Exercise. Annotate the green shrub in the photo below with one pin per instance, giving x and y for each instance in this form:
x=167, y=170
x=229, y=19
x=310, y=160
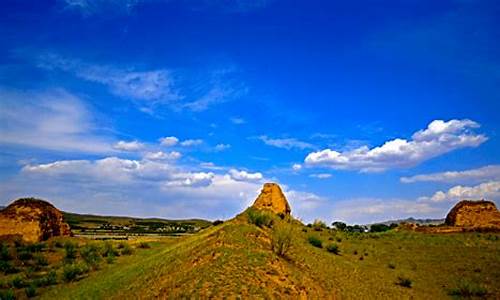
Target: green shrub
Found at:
x=126, y=249
x=282, y=239
x=4, y=252
x=391, y=266
x=24, y=255
x=332, y=248
x=70, y=251
x=468, y=289
x=7, y=267
x=143, y=245
x=41, y=261
x=49, y=279
x=72, y=271
x=319, y=225
x=404, y=282
x=259, y=218
x=91, y=255
x=7, y=295
x=30, y=291
x=217, y=222
x=108, y=250
x=17, y=282
x=379, y=228
x=315, y=241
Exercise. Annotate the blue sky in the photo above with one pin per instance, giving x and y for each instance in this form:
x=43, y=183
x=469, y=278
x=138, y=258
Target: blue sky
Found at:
x=362, y=112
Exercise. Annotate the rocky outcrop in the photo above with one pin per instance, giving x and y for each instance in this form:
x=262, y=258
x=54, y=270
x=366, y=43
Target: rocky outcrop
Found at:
x=272, y=198
x=474, y=214
x=33, y=220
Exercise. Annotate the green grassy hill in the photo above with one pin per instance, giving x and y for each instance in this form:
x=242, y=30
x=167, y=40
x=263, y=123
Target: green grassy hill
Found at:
x=237, y=258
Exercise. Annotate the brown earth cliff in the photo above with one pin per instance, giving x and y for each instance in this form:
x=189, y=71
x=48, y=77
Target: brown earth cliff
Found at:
x=476, y=214
x=272, y=198
x=33, y=220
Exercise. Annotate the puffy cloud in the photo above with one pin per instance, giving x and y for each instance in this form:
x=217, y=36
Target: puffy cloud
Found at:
x=221, y=147
x=491, y=172
x=438, y=138
x=128, y=146
x=160, y=155
x=296, y=167
x=169, y=141
x=244, y=175
x=321, y=175
x=191, y=142
x=487, y=190
x=285, y=143
x=52, y=119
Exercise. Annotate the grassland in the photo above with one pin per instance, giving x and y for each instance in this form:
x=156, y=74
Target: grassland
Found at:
x=236, y=258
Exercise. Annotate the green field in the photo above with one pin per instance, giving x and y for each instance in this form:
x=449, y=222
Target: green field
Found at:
x=237, y=258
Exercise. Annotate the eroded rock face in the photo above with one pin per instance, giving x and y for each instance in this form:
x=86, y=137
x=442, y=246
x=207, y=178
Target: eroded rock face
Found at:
x=272, y=198
x=33, y=220
x=476, y=214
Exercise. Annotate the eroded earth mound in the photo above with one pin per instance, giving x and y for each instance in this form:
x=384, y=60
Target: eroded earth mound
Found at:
x=33, y=220
x=272, y=198
x=476, y=214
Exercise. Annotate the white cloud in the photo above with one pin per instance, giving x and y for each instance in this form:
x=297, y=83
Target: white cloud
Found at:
x=296, y=167
x=285, y=143
x=244, y=175
x=491, y=172
x=221, y=147
x=52, y=119
x=160, y=155
x=237, y=121
x=191, y=142
x=169, y=141
x=321, y=175
x=486, y=190
x=438, y=138
x=128, y=146
x=152, y=86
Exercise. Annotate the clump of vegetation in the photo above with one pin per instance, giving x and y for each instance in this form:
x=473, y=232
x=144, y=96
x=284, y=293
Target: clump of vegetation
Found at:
x=17, y=282
x=259, y=218
x=468, y=289
x=7, y=295
x=90, y=254
x=108, y=250
x=41, y=261
x=379, y=228
x=30, y=291
x=341, y=226
x=143, y=245
x=72, y=271
x=319, y=225
x=4, y=252
x=49, y=279
x=315, y=241
x=391, y=266
x=217, y=222
x=404, y=282
x=282, y=239
x=332, y=248
x=125, y=249
x=70, y=251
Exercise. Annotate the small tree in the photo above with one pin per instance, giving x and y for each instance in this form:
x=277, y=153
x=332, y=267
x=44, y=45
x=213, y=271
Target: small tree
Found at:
x=282, y=239
x=339, y=225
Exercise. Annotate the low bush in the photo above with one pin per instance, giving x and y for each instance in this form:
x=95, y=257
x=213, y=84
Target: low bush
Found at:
x=24, y=255
x=332, y=248
x=7, y=295
x=49, y=279
x=108, y=250
x=30, y=291
x=91, y=255
x=315, y=241
x=41, y=261
x=468, y=289
x=4, y=252
x=391, y=266
x=70, y=251
x=319, y=225
x=143, y=245
x=259, y=218
x=7, y=267
x=126, y=249
x=282, y=239
x=72, y=271
x=404, y=282
x=217, y=222
x=17, y=282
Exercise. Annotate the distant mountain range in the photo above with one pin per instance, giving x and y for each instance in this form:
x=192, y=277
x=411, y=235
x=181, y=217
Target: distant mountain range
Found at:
x=413, y=221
